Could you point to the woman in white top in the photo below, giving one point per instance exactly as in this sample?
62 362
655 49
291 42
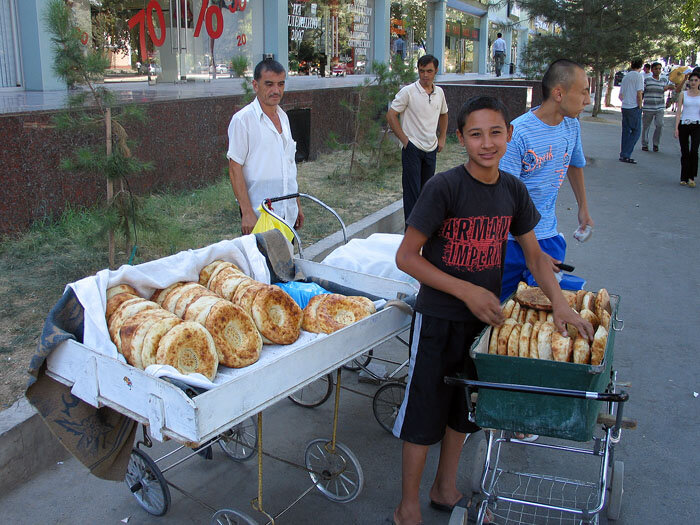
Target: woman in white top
688 129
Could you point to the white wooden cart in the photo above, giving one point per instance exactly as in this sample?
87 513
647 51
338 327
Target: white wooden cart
223 414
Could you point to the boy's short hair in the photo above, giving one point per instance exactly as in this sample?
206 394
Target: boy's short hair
267 65
655 64
499 35
637 63
481 102
559 73
427 59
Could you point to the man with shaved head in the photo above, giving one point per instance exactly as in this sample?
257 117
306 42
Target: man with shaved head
545 150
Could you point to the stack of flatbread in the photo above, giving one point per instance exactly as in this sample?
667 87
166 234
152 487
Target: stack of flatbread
147 334
529 330
327 313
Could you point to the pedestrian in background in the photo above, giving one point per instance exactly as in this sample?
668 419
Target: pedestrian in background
631 90
423 111
653 106
647 70
499 53
688 129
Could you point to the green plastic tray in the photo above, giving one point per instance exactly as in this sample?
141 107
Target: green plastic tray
558 417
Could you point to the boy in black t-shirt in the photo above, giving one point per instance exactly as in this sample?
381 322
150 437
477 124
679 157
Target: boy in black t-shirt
461 223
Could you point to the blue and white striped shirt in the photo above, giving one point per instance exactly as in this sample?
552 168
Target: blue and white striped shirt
540 155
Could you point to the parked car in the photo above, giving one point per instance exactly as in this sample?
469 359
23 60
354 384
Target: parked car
221 69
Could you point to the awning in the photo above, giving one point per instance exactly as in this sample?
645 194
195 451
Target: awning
466 8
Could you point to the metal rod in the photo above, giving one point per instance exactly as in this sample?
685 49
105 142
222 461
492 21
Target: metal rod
335 411
552 447
206 506
188 456
297 500
169 454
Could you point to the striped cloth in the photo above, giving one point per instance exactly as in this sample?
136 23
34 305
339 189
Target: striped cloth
654 93
540 155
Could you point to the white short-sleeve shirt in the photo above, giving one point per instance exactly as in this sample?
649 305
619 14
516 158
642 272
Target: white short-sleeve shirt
632 82
420 113
267 157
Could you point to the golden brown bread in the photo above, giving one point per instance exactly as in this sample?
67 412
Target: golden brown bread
571 331
137 325
229 286
241 288
160 295
226 281
589 316
524 344
534 350
542 316
605 320
514 341
114 302
531 316
205 273
522 285
310 322
598 347
579 299
561 347
570 297
121 288
218 268
493 342
152 337
246 299
582 351
521 315
277 316
508 308
170 300
504 334
533 298
190 349
196 307
516 311
337 311
126 310
602 302
189 294
588 302
238 342
544 341
366 302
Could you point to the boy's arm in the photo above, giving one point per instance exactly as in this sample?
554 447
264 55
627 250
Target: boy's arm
540 267
576 179
392 117
481 302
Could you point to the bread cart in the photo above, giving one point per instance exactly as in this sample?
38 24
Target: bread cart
223 413
554 399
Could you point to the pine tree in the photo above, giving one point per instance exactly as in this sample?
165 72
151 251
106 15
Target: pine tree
90 110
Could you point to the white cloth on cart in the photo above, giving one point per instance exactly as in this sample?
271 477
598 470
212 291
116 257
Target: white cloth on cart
375 255
147 277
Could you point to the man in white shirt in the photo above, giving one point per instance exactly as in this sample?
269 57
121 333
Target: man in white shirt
631 90
499 53
423 111
261 150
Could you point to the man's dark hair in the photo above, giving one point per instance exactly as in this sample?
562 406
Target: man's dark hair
427 59
267 65
559 73
499 35
637 63
481 102
655 64
647 65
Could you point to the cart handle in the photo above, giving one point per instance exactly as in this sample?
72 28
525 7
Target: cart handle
619 397
266 203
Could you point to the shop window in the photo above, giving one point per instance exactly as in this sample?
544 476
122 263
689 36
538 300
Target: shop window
9 46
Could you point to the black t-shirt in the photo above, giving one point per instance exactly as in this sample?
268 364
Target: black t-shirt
467 224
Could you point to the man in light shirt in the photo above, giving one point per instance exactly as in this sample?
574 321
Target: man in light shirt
261 151
423 111
631 90
499 53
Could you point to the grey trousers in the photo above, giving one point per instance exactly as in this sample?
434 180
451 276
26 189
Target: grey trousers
657 115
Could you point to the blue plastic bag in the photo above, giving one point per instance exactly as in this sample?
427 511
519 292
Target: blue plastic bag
302 292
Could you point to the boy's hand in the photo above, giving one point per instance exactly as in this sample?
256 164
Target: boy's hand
565 314
483 304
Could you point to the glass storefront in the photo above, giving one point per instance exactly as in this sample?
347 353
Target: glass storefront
461 42
330 37
10 74
408 31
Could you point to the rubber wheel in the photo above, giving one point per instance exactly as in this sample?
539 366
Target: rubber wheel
147 484
357 364
314 394
337 475
231 517
616 491
240 442
386 404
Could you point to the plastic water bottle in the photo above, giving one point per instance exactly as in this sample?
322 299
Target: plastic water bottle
583 234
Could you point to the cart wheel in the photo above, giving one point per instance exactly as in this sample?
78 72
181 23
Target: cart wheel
147 484
231 517
240 442
474 454
314 394
357 364
616 490
386 404
338 475
460 515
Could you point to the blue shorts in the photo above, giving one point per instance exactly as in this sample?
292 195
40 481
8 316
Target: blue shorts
515 268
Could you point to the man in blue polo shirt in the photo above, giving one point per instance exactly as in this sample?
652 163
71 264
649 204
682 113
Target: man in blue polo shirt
544 151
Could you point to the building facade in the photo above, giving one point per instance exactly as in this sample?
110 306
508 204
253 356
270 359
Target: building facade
193 40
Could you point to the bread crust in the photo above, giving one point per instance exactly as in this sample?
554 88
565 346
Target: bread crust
121 288
121 314
516 311
130 345
579 299
188 295
366 302
189 348
149 347
524 342
514 341
229 286
598 347
114 302
205 273
582 351
493 342
160 295
198 305
504 334
589 316
508 308
561 347
534 351
246 299
338 311
588 302
238 342
310 322
277 316
544 341
602 302
531 316
219 267
605 320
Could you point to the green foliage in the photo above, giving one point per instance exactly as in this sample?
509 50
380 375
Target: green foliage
82 66
239 65
371 152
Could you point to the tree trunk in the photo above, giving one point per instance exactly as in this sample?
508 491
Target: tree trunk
609 90
110 183
599 87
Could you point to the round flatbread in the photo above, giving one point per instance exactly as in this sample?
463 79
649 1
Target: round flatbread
220 268
238 342
582 351
242 288
221 275
126 310
189 348
230 285
205 273
600 340
277 316
188 295
504 334
493 342
364 301
531 316
561 347
580 294
544 341
508 308
149 346
202 303
116 300
514 341
524 341
170 300
589 316
121 288
338 311
534 350
131 349
310 322
160 295
246 298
